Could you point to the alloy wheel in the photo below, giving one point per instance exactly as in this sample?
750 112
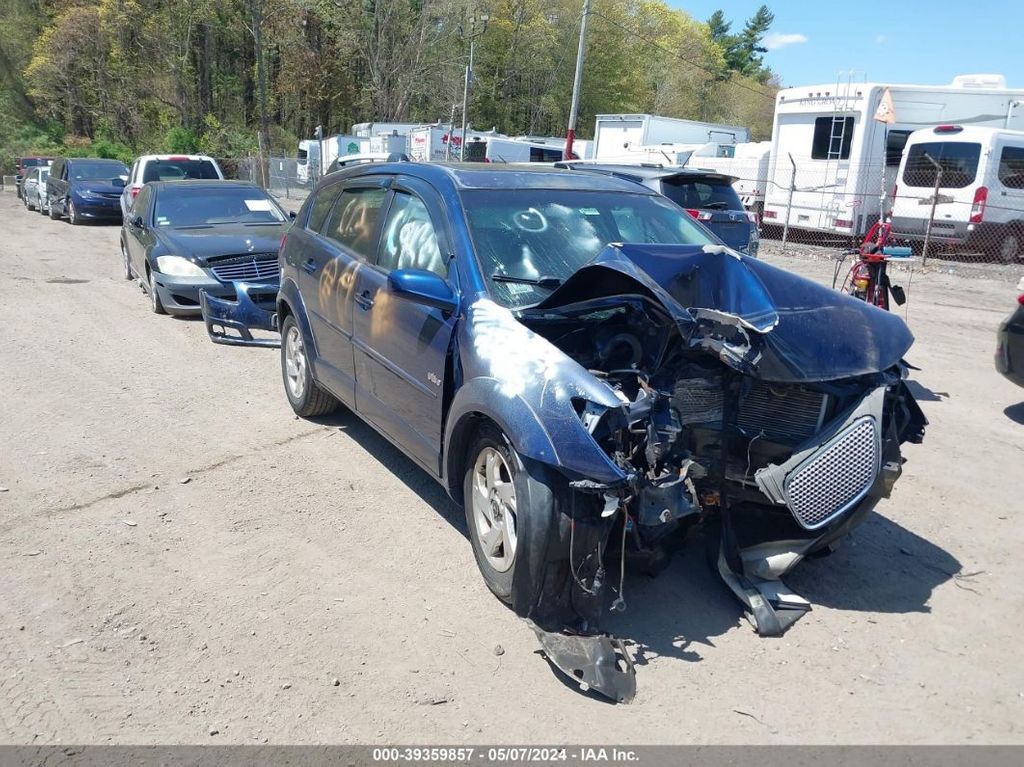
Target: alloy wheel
295 363
493 503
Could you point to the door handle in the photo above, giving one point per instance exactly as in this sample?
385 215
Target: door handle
365 300
309 266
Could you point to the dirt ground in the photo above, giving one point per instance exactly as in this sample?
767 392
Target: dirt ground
181 556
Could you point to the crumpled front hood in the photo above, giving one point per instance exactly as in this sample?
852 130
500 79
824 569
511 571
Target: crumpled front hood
758 319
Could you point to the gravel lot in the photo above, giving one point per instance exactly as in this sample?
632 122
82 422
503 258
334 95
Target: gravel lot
180 556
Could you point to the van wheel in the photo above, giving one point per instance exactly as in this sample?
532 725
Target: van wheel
511 516
73 214
1009 247
304 394
127 263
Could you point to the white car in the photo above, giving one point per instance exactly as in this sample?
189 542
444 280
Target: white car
166 167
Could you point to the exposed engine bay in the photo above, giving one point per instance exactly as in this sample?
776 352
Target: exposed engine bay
772 470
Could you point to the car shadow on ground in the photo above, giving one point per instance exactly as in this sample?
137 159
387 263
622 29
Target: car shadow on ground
882 568
395 461
1015 413
924 394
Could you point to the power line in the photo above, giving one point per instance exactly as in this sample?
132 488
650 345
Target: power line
670 52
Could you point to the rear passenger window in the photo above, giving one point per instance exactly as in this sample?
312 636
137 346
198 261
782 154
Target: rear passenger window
1011 167
353 222
409 240
322 206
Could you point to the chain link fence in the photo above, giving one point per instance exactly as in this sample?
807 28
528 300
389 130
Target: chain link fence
820 209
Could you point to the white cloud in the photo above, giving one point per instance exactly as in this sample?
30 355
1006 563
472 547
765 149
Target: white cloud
775 41
880 40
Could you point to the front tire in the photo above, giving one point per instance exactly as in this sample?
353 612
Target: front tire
73 214
304 394
512 519
154 297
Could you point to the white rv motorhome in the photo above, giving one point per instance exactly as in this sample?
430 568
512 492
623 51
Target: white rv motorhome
617 137
845 161
980 200
369 130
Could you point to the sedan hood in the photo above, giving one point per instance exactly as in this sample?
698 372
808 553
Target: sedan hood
758 319
205 242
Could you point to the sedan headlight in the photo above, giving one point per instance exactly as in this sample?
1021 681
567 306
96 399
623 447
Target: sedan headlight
176 266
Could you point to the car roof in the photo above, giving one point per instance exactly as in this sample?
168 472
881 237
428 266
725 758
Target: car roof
108 160
163 157
203 183
471 176
648 172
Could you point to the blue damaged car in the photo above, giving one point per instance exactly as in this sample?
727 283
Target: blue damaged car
591 376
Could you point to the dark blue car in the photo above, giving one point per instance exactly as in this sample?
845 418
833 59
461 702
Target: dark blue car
86 189
591 375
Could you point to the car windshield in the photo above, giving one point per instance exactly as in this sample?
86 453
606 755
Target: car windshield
33 162
701 194
95 171
529 241
176 170
178 206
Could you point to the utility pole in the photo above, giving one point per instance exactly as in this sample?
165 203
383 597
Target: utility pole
570 133
473 34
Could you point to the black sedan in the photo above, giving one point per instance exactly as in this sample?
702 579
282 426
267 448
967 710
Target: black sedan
186 238
1010 343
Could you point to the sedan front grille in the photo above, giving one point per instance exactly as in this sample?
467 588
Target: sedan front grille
260 266
836 477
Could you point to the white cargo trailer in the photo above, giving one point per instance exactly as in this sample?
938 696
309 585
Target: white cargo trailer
618 135
842 163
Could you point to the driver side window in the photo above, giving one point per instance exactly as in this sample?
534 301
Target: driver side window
409 240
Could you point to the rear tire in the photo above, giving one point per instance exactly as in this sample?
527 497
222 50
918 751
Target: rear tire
304 394
127 264
510 512
1008 248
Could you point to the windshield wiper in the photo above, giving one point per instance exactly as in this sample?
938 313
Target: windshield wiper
545 281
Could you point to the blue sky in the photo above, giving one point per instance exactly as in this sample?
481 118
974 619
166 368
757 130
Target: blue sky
896 41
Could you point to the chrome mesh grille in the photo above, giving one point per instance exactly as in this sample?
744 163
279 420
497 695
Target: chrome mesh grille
829 482
260 266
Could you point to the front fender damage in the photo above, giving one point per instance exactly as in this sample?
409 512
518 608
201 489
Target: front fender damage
730 399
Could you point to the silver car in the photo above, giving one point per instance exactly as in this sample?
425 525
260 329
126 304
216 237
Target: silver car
33 189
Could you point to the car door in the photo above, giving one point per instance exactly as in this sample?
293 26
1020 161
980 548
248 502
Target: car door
138 232
335 246
53 183
401 347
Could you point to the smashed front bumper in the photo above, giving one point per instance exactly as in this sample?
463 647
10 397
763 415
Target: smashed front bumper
232 322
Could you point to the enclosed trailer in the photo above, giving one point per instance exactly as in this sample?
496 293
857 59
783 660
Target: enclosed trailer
833 165
621 134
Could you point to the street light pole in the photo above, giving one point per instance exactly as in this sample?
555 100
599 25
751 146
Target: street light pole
484 18
570 133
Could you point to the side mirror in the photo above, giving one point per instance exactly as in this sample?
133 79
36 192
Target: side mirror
423 287
292 215
136 222
119 182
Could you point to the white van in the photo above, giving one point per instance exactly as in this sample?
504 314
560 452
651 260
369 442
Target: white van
980 201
